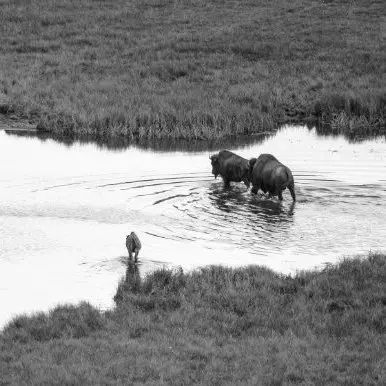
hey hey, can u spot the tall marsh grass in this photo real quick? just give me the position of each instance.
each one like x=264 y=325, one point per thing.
x=191 y=70
x=65 y=321
x=214 y=325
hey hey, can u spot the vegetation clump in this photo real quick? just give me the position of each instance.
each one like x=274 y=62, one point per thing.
x=192 y=70
x=65 y=321
x=214 y=325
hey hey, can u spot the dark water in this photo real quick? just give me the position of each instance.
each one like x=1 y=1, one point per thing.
x=65 y=212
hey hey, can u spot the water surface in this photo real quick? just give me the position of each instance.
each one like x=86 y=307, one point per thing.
x=65 y=212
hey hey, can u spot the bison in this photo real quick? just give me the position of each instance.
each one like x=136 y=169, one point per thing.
x=231 y=167
x=270 y=175
x=133 y=245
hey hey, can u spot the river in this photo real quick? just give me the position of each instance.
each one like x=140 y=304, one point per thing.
x=65 y=211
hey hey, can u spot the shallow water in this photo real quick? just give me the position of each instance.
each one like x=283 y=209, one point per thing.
x=65 y=212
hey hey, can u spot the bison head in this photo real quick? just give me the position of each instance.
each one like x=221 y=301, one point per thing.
x=215 y=165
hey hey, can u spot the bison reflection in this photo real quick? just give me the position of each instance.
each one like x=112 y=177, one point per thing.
x=270 y=175
x=132 y=273
x=130 y=284
x=231 y=167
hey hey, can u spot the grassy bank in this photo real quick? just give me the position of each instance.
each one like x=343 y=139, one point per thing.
x=203 y=69
x=213 y=326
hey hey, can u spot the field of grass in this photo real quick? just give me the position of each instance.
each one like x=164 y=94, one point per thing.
x=193 y=69
x=215 y=325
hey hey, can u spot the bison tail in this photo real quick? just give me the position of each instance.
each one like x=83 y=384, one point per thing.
x=290 y=184
x=292 y=191
x=285 y=181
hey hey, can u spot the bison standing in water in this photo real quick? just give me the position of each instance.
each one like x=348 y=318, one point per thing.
x=270 y=175
x=231 y=167
x=133 y=245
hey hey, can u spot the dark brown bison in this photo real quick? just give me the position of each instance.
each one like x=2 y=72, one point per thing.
x=231 y=167
x=270 y=175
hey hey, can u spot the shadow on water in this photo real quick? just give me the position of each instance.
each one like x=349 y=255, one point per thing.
x=227 y=199
x=132 y=272
x=131 y=282
x=252 y=219
x=273 y=210
x=194 y=145
x=351 y=137
x=159 y=145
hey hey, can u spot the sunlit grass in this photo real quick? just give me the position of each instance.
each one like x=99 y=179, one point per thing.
x=194 y=70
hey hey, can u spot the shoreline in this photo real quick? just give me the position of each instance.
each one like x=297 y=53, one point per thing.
x=214 y=324
x=21 y=125
x=203 y=75
x=199 y=71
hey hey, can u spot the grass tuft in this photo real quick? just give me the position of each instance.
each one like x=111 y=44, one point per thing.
x=159 y=290
x=215 y=325
x=65 y=321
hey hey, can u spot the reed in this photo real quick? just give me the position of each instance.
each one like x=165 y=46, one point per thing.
x=64 y=321
x=182 y=70
x=215 y=325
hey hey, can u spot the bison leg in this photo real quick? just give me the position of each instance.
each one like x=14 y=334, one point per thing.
x=254 y=190
x=292 y=191
x=280 y=195
x=130 y=255
x=246 y=182
x=136 y=251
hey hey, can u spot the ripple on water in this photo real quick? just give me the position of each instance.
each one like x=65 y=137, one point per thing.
x=71 y=215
